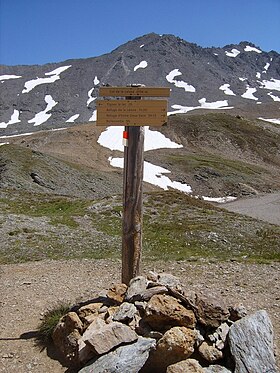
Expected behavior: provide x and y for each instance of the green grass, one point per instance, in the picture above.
(175, 227)
(60, 210)
(49, 322)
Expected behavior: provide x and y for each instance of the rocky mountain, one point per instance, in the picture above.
(237, 78)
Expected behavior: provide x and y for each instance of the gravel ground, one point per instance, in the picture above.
(29, 289)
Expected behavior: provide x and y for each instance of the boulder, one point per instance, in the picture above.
(89, 309)
(88, 313)
(169, 280)
(209, 352)
(85, 352)
(176, 344)
(237, 311)
(102, 337)
(137, 285)
(185, 366)
(251, 344)
(66, 335)
(216, 369)
(125, 359)
(125, 313)
(147, 294)
(211, 310)
(117, 292)
(164, 311)
(218, 338)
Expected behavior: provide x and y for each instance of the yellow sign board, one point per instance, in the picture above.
(134, 91)
(131, 112)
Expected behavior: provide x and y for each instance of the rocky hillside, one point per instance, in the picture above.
(55, 95)
(218, 155)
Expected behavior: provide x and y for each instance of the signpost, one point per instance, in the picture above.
(133, 113)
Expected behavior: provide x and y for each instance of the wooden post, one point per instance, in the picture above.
(132, 203)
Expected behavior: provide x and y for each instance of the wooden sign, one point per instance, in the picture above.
(134, 91)
(131, 112)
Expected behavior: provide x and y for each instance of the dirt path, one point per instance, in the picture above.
(265, 207)
(27, 290)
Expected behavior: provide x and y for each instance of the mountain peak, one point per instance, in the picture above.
(55, 95)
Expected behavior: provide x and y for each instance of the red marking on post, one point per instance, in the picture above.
(125, 135)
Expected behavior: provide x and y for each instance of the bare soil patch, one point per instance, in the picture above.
(29, 289)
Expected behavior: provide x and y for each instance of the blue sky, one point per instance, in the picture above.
(42, 31)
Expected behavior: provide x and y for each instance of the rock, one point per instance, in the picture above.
(66, 335)
(125, 313)
(251, 344)
(141, 306)
(211, 310)
(102, 337)
(216, 369)
(163, 311)
(237, 312)
(209, 352)
(185, 366)
(169, 280)
(110, 313)
(176, 344)
(188, 299)
(125, 359)
(117, 293)
(147, 294)
(88, 313)
(152, 276)
(218, 338)
(85, 353)
(137, 285)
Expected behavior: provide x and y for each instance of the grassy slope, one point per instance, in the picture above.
(222, 154)
(176, 227)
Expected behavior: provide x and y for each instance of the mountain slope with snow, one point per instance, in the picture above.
(212, 155)
(56, 95)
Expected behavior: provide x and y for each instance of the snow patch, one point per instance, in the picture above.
(14, 119)
(227, 90)
(141, 65)
(242, 79)
(54, 75)
(142, 45)
(219, 199)
(272, 84)
(203, 105)
(154, 175)
(90, 98)
(96, 81)
(6, 77)
(274, 98)
(179, 83)
(250, 93)
(275, 121)
(266, 67)
(93, 117)
(43, 116)
(233, 53)
(73, 118)
(251, 49)
(4, 143)
(258, 75)
(111, 138)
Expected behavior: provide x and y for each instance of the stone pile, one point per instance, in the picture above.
(153, 326)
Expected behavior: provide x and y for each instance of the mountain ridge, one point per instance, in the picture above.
(56, 95)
